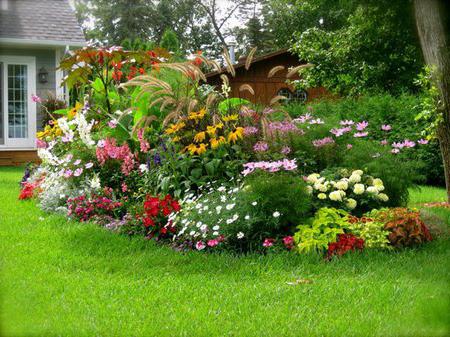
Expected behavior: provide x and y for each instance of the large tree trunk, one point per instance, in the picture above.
(434, 39)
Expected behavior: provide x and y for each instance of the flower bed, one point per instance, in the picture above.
(164, 157)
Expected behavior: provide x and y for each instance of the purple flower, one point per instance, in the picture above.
(36, 99)
(302, 119)
(101, 143)
(323, 141)
(360, 134)
(285, 150)
(260, 147)
(78, 172)
(386, 127)
(77, 162)
(384, 142)
(89, 165)
(341, 131)
(422, 141)
(408, 143)
(362, 125)
(268, 111)
(250, 130)
(398, 145)
(284, 126)
(349, 146)
(67, 138)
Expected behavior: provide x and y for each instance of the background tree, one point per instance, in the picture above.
(375, 49)
(433, 26)
(170, 41)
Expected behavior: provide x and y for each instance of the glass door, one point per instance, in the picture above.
(18, 117)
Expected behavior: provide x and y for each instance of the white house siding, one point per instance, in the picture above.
(44, 58)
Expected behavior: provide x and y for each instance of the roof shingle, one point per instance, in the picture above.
(41, 20)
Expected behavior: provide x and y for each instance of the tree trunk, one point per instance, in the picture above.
(434, 39)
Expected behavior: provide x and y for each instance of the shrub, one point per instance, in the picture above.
(324, 228)
(353, 191)
(371, 231)
(405, 227)
(266, 206)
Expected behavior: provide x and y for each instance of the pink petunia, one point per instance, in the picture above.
(268, 242)
(200, 245)
(212, 243)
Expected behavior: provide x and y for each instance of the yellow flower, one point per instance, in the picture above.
(201, 148)
(216, 142)
(211, 130)
(72, 113)
(197, 115)
(236, 134)
(199, 137)
(175, 127)
(228, 118)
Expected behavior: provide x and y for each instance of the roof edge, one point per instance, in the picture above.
(42, 43)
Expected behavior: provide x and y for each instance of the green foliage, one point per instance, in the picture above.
(371, 231)
(281, 191)
(169, 41)
(399, 112)
(231, 105)
(322, 230)
(375, 50)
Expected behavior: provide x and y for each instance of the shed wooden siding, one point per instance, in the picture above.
(18, 157)
(44, 58)
(256, 76)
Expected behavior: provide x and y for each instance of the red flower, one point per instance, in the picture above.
(148, 222)
(288, 242)
(345, 243)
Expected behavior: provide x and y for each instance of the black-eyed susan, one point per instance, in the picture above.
(173, 128)
(216, 142)
(200, 137)
(196, 116)
(229, 118)
(235, 135)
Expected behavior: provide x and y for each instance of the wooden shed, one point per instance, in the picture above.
(266, 88)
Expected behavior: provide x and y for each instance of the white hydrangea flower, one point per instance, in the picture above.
(322, 196)
(358, 189)
(341, 185)
(372, 190)
(309, 189)
(358, 172)
(354, 178)
(312, 178)
(351, 203)
(335, 196)
(383, 197)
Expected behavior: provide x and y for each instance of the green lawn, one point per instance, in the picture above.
(61, 278)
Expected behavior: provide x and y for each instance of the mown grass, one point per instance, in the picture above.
(61, 278)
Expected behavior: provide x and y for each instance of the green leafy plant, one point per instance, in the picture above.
(371, 231)
(322, 230)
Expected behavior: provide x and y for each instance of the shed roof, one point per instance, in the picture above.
(51, 22)
(241, 62)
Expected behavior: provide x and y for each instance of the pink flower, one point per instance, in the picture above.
(362, 125)
(341, 131)
(112, 123)
(360, 134)
(347, 122)
(409, 143)
(285, 150)
(67, 138)
(200, 245)
(40, 144)
(68, 173)
(395, 151)
(260, 147)
(77, 162)
(78, 172)
(268, 242)
(288, 242)
(316, 121)
(323, 141)
(386, 127)
(89, 165)
(36, 99)
(398, 145)
(384, 142)
(144, 145)
(124, 187)
(212, 243)
(349, 146)
(422, 141)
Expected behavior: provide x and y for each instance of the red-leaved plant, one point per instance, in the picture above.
(405, 226)
(345, 243)
(84, 208)
(156, 216)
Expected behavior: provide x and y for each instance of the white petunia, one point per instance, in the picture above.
(216, 228)
(240, 235)
(247, 217)
(276, 214)
(230, 206)
(254, 203)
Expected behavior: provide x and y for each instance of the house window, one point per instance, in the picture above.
(297, 96)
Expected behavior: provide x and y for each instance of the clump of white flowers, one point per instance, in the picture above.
(350, 189)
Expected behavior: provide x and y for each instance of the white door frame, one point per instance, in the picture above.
(30, 141)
